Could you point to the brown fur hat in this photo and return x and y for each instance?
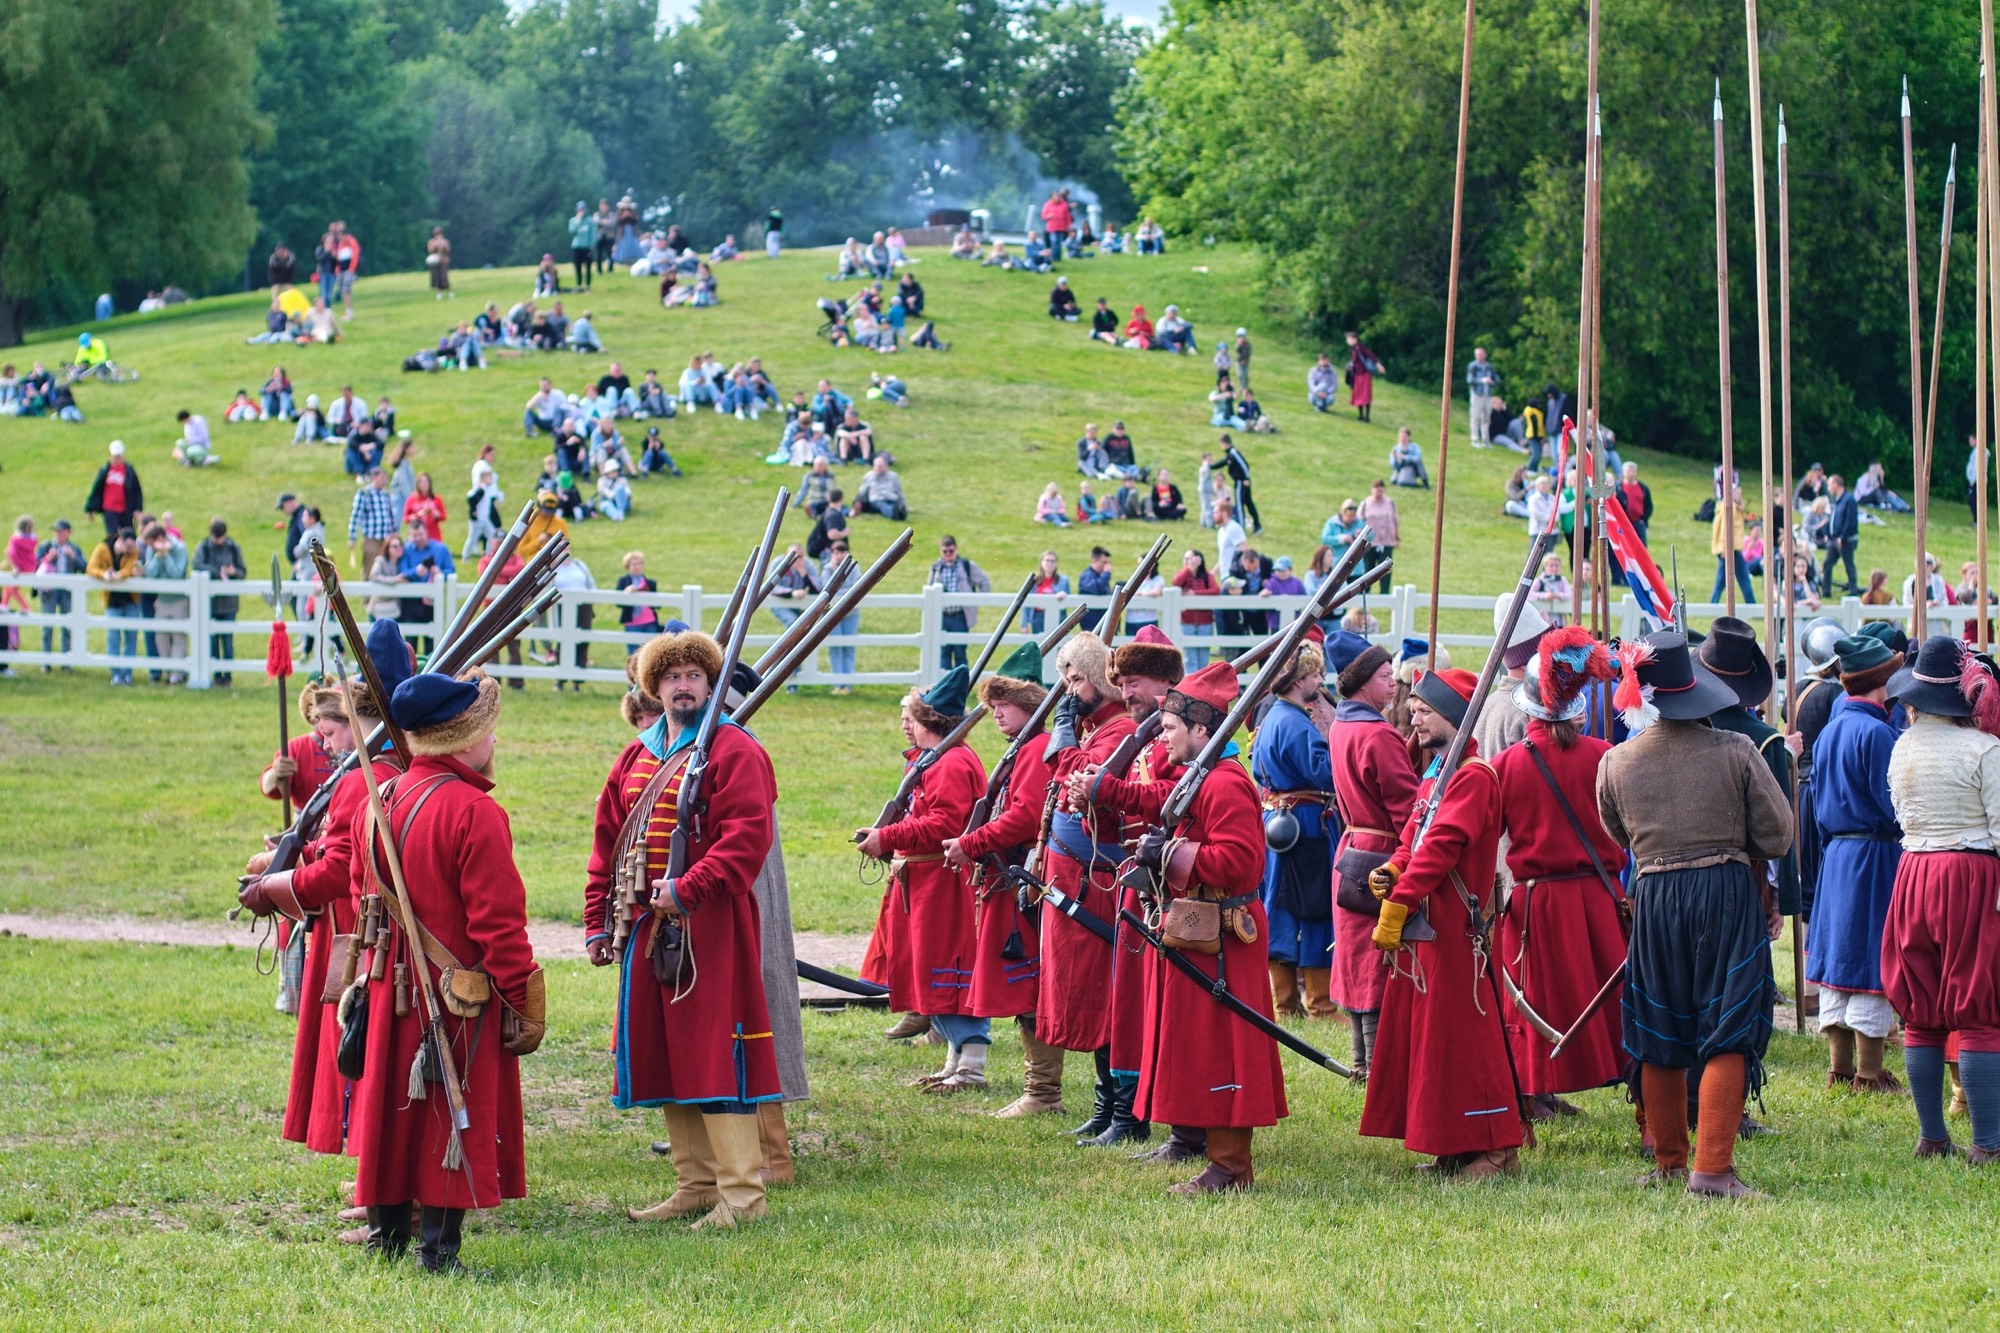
(922, 713)
(638, 710)
(665, 652)
(1025, 694)
(1301, 664)
(1871, 678)
(1150, 654)
(321, 698)
(469, 727)
(1363, 668)
(1087, 655)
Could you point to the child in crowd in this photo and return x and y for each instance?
(1050, 508)
(242, 408)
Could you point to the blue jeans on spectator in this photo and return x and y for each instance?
(123, 642)
(1321, 402)
(656, 459)
(534, 425)
(1742, 579)
(55, 602)
(1057, 239)
(702, 392)
(278, 405)
(1197, 658)
(470, 353)
(1534, 455)
(327, 285)
(953, 654)
(841, 658)
(741, 398)
(222, 647)
(644, 631)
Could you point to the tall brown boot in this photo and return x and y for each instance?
(777, 1143)
(1285, 991)
(1041, 1075)
(1318, 983)
(1839, 1057)
(694, 1169)
(1869, 1075)
(738, 1155)
(1228, 1164)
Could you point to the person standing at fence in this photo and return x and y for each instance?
(115, 560)
(636, 618)
(20, 560)
(221, 559)
(115, 493)
(1378, 513)
(167, 558)
(840, 658)
(956, 574)
(372, 518)
(58, 555)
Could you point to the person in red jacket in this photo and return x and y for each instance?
(321, 892)
(307, 760)
(1200, 1064)
(1007, 956)
(1083, 853)
(470, 913)
(1143, 670)
(1441, 1081)
(936, 920)
(692, 1029)
(1564, 922)
(1374, 789)
(1057, 220)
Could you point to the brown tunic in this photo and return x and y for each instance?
(1683, 794)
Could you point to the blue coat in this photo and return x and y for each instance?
(1291, 755)
(1862, 844)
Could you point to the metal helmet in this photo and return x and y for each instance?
(1817, 641)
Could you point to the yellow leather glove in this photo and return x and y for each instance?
(1389, 926)
(1382, 880)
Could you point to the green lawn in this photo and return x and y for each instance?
(143, 1185)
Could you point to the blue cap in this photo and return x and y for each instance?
(389, 654)
(1341, 648)
(676, 626)
(430, 699)
(1414, 648)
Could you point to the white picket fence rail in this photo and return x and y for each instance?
(905, 647)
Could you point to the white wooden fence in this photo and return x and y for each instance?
(900, 637)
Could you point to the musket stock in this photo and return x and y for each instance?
(829, 622)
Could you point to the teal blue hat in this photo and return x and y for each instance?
(1024, 663)
(948, 695)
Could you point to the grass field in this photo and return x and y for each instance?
(141, 1180)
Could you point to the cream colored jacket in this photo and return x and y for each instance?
(1944, 781)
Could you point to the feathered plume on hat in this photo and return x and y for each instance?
(1634, 701)
(1569, 661)
(1977, 683)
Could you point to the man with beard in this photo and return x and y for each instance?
(1084, 853)
(1199, 1063)
(692, 1032)
(1374, 788)
(1007, 961)
(1143, 670)
(1291, 766)
(1441, 1081)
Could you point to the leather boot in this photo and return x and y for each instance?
(1957, 1106)
(738, 1155)
(1318, 983)
(438, 1252)
(906, 1027)
(1228, 1164)
(1869, 1075)
(1938, 1148)
(389, 1229)
(1041, 1076)
(1100, 1106)
(777, 1143)
(1840, 1056)
(1285, 990)
(1184, 1144)
(1124, 1125)
(1488, 1165)
(694, 1169)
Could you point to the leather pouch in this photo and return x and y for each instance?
(1193, 926)
(669, 952)
(330, 989)
(464, 991)
(1350, 885)
(351, 1055)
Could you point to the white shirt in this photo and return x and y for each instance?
(1228, 540)
(1944, 781)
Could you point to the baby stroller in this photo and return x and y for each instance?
(833, 318)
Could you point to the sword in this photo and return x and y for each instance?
(836, 981)
(1611, 983)
(1542, 1026)
(1067, 905)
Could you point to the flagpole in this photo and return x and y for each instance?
(1586, 329)
(1750, 36)
(1989, 318)
(1919, 622)
(1450, 325)
(1726, 484)
(1790, 584)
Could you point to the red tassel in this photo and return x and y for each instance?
(278, 660)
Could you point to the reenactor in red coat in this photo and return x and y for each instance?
(297, 772)
(1007, 956)
(1084, 850)
(468, 912)
(930, 902)
(692, 1031)
(1199, 1063)
(1440, 1080)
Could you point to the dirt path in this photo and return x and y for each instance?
(552, 941)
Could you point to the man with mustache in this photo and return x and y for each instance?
(693, 1030)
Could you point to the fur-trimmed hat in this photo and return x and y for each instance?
(1304, 662)
(1088, 657)
(1361, 668)
(666, 652)
(1866, 663)
(441, 715)
(638, 709)
(1017, 682)
(1148, 653)
(321, 698)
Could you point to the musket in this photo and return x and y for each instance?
(1181, 799)
(1680, 592)
(779, 567)
(836, 578)
(484, 583)
(336, 600)
(1227, 998)
(1007, 620)
(774, 679)
(433, 1017)
(1122, 595)
(835, 981)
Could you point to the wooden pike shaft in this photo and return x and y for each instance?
(1750, 41)
(1790, 593)
(1451, 320)
(1989, 202)
(1921, 583)
(1586, 326)
(1600, 601)
(1726, 487)
(1937, 350)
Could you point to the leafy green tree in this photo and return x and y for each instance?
(123, 126)
(1074, 71)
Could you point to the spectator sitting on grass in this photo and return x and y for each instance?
(725, 252)
(853, 263)
(242, 408)
(1251, 413)
(1062, 302)
(889, 389)
(1871, 490)
(1125, 502)
(312, 426)
(466, 348)
(880, 261)
(1050, 508)
(829, 405)
(740, 398)
(1113, 242)
(583, 335)
(1152, 240)
(760, 382)
(544, 413)
(964, 245)
(277, 396)
(881, 492)
(1515, 505)
(1322, 384)
(1036, 256)
(1223, 412)
(551, 328)
(912, 293)
(927, 337)
(1139, 330)
(1406, 461)
(363, 450)
(615, 387)
(614, 493)
(1104, 323)
(277, 327)
(854, 442)
(997, 256)
(1087, 509)
(548, 279)
(1166, 499)
(193, 448)
(897, 317)
(1091, 458)
(696, 387)
(1174, 333)
(815, 489)
(653, 457)
(606, 443)
(320, 325)
(705, 291)
(346, 413)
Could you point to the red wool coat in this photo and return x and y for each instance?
(1074, 1008)
(1375, 789)
(1007, 987)
(458, 860)
(316, 1103)
(713, 1042)
(1561, 936)
(315, 767)
(1199, 1064)
(931, 969)
(1439, 1080)
(1137, 798)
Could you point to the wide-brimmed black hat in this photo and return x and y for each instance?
(1680, 688)
(1732, 654)
(1930, 684)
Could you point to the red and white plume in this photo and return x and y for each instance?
(1571, 660)
(1981, 690)
(1634, 701)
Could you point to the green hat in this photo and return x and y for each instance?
(948, 695)
(1024, 663)
(1861, 652)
